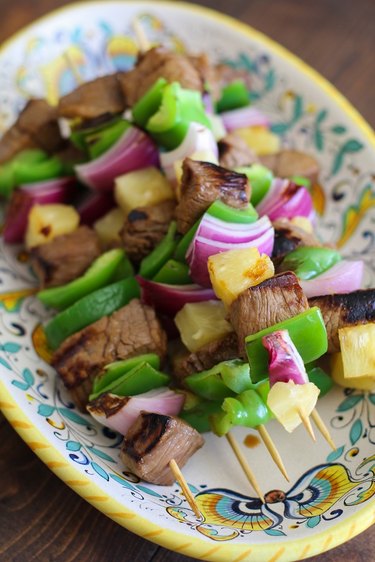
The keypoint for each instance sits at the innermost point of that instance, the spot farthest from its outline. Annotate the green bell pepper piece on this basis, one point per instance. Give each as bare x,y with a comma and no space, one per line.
100,273
7,182
233,96
89,309
152,263
184,243
173,273
224,379
141,378
248,409
31,156
323,381
199,416
99,142
224,212
308,262
38,171
124,270
178,108
307,331
114,371
149,104
301,180
260,179
79,136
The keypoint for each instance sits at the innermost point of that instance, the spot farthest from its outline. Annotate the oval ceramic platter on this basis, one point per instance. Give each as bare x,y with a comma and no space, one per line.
331,495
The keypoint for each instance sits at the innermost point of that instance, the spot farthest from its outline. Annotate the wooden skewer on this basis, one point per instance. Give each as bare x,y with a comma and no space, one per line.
271,447
142,39
307,423
323,428
184,487
245,467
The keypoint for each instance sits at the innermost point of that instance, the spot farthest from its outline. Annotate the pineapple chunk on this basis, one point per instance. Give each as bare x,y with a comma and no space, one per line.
141,188
236,270
357,344
45,222
286,400
200,323
304,223
108,227
260,139
337,371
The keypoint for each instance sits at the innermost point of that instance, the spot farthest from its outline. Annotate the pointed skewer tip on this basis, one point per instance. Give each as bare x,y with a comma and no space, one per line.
245,466
271,447
185,488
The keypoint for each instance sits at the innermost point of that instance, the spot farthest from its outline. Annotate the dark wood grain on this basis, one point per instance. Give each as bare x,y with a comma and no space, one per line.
40,518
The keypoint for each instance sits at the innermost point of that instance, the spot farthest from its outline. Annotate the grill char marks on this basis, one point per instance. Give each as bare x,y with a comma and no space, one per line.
347,309
153,441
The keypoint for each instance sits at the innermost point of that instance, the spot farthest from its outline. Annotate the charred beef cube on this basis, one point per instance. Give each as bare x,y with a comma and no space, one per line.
153,441
65,257
36,127
274,300
288,237
132,330
234,152
287,163
145,227
185,363
159,63
203,183
347,309
98,97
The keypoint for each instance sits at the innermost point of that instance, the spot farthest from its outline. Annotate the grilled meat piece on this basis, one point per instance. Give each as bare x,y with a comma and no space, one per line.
287,163
153,441
288,237
202,183
145,227
233,152
65,257
186,363
347,309
132,330
263,305
160,63
36,127
95,98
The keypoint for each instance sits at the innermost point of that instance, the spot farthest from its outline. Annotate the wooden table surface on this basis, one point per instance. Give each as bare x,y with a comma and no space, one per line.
41,519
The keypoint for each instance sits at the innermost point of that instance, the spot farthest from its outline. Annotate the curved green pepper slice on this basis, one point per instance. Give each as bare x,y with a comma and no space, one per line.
114,371
227,378
226,213
152,263
173,272
308,262
260,179
233,96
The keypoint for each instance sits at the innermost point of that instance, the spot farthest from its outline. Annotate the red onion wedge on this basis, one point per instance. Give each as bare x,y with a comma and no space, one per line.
202,248
169,299
120,412
216,229
59,190
244,117
94,206
199,139
285,199
133,151
344,277
284,362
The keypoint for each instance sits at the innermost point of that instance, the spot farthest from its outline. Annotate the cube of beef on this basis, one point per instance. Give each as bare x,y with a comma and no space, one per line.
234,152
153,441
90,100
185,363
65,257
145,227
274,300
347,309
159,63
132,330
36,127
287,163
203,183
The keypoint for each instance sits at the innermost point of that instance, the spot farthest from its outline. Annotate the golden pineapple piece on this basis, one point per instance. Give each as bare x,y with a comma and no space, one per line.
260,139
45,222
289,401
304,223
337,372
142,188
108,227
200,323
357,344
236,270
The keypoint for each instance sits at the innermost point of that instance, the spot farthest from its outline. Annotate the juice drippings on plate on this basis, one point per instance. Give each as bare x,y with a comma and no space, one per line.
251,441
